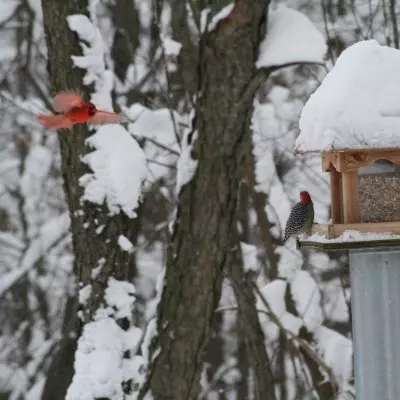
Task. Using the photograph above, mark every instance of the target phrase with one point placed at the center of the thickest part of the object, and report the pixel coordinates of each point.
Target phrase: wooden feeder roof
(351, 160)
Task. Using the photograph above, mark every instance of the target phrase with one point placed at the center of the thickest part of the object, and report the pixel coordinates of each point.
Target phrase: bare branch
(260, 77)
(393, 18)
(259, 201)
(161, 164)
(168, 82)
(301, 342)
(37, 87)
(162, 146)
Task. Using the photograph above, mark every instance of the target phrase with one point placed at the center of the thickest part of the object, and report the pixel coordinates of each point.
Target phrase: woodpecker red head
(301, 217)
(305, 197)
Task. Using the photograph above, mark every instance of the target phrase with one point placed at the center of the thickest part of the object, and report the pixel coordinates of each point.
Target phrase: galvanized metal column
(375, 301)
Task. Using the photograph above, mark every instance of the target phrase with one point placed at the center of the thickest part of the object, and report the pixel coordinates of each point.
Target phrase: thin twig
(10, 18)
(162, 146)
(161, 163)
(38, 89)
(301, 342)
(354, 12)
(217, 377)
(259, 78)
(168, 83)
(196, 16)
(392, 5)
(328, 37)
(15, 104)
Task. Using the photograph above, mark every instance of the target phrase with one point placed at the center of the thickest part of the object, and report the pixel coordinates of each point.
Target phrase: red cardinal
(74, 110)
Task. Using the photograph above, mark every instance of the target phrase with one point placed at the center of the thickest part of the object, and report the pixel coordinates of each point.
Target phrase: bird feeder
(365, 196)
(353, 121)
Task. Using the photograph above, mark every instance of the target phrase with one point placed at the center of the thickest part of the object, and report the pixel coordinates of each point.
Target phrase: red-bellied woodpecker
(301, 217)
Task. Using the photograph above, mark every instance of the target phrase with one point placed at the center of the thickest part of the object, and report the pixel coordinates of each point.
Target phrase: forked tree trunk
(86, 217)
(201, 245)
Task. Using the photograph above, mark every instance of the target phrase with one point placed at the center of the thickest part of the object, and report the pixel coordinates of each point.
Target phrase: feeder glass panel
(379, 192)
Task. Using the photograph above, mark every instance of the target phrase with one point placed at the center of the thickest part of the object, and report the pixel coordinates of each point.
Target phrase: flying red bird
(73, 110)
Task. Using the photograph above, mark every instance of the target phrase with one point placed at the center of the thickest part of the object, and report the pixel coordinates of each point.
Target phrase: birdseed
(379, 197)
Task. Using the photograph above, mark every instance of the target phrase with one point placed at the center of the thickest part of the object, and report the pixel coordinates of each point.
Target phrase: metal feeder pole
(375, 303)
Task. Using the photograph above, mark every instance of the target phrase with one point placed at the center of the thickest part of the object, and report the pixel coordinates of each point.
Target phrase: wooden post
(351, 203)
(336, 196)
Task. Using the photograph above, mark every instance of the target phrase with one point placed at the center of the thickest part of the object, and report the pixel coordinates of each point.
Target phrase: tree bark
(86, 217)
(250, 327)
(125, 17)
(199, 248)
(61, 369)
(89, 246)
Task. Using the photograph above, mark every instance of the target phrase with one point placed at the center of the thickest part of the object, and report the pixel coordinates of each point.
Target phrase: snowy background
(132, 58)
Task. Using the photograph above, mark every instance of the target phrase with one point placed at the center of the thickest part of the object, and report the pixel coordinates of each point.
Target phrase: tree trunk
(86, 217)
(206, 223)
(89, 246)
(61, 368)
(259, 203)
(250, 327)
(214, 356)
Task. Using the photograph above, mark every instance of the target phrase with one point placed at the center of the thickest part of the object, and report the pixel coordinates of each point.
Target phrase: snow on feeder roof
(357, 106)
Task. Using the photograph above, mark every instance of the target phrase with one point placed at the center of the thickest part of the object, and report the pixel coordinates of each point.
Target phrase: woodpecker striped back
(300, 219)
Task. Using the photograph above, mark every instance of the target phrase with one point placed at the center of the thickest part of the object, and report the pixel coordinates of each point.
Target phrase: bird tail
(286, 237)
(54, 122)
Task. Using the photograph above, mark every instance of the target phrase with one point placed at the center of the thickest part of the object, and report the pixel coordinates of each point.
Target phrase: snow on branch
(249, 254)
(291, 38)
(125, 244)
(118, 163)
(186, 164)
(162, 141)
(306, 295)
(272, 311)
(49, 234)
(274, 116)
(273, 295)
(156, 128)
(93, 49)
(151, 328)
(119, 168)
(120, 296)
(171, 47)
(100, 365)
(332, 351)
(337, 351)
(223, 13)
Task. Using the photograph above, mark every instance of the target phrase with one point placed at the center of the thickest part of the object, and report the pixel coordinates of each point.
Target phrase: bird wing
(67, 100)
(104, 117)
(296, 221)
(55, 122)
